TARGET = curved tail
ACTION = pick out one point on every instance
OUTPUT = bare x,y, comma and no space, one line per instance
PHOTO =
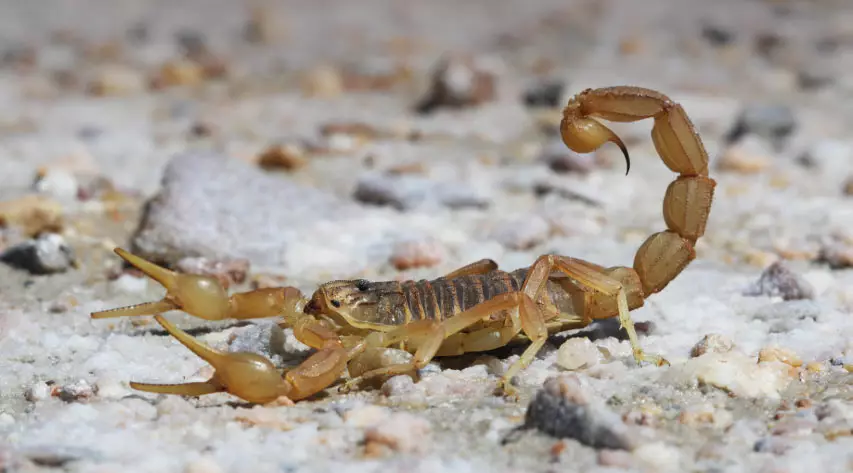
687,202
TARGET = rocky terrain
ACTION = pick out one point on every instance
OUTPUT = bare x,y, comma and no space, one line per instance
292,143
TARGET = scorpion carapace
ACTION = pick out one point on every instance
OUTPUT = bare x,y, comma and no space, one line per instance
475,308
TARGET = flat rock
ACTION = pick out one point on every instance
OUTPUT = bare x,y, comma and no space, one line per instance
220,208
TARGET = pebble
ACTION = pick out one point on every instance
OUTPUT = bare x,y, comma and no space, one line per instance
408,192
828,155
203,464
737,374
562,160
57,183
264,338
564,410
774,445
458,81
837,254
784,355
578,353
545,93
323,82
778,280
658,457
398,385
77,391
787,315
366,416
401,432
39,391
287,157
422,253
179,72
46,254
33,214
116,80
748,156
712,343
228,271
773,122
521,232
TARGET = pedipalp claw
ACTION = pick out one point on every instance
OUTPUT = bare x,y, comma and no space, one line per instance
200,296
248,376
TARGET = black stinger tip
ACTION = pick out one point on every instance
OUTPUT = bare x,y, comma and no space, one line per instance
627,158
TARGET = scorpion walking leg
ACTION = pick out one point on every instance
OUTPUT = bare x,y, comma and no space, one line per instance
429,335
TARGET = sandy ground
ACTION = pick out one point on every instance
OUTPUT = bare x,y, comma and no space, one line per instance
144,125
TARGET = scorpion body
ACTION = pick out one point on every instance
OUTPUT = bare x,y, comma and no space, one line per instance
475,308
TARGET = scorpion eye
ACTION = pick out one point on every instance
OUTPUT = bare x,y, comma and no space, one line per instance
362,285
335,302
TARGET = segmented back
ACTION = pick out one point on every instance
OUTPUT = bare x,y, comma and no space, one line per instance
438,299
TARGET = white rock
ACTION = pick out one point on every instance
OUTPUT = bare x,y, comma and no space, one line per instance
658,457
366,416
738,374
578,353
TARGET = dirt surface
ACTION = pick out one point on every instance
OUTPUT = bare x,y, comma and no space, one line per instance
291,143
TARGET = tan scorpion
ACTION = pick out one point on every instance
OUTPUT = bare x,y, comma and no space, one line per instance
473,309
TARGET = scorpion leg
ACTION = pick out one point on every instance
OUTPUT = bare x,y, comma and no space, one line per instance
204,297
482,266
253,377
429,335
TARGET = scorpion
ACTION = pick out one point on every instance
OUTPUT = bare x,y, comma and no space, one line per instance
475,308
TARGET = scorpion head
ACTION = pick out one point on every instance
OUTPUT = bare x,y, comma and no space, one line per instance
347,299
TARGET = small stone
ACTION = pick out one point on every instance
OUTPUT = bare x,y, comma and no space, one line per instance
179,72
836,254
401,432
203,464
562,409
417,254
749,156
227,271
774,445
563,160
616,458
398,385
46,254
407,192
712,343
323,82
57,183
116,81
263,338
738,374
366,416
457,82
786,316
33,214
717,35
37,392
779,354
522,232
780,281
773,122
705,414
578,353
544,94
288,157
77,391
828,155
658,457
848,186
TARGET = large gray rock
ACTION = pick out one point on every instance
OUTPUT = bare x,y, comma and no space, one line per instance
218,207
